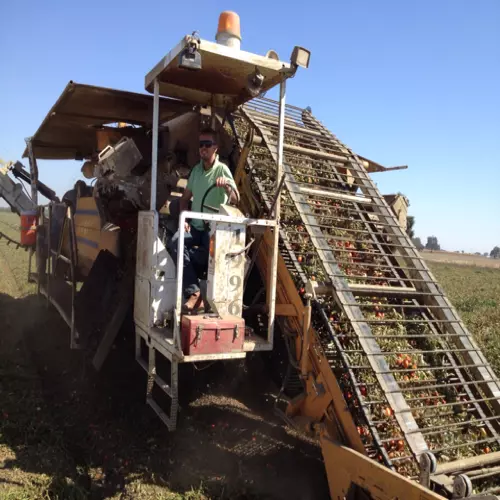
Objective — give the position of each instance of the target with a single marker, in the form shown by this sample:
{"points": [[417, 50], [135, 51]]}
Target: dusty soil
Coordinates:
{"points": [[88, 435], [67, 432]]}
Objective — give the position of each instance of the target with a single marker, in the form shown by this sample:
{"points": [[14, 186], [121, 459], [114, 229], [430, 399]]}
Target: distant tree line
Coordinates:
{"points": [[418, 243], [433, 243]]}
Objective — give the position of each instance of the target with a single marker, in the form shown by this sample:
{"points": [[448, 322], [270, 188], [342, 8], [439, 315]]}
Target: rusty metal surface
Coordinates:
{"points": [[69, 129]]}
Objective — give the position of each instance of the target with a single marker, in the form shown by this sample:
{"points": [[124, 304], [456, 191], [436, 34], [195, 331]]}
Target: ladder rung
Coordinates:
{"points": [[142, 363], [273, 118], [361, 286], [162, 385], [311, 152], [157, 379], [163, 416], [287, 127], [334, 195], [316, 153], [60, 256], [362, 289], [465, 464]]}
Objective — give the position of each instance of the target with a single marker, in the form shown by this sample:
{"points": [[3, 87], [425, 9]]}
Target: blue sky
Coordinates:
{"points": [[401, 82]]}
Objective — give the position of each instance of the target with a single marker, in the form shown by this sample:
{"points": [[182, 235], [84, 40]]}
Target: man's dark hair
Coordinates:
{"points": [[211, 132]]}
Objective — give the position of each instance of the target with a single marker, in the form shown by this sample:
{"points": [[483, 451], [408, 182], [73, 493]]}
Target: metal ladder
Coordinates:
{"points": [[170, 389]]}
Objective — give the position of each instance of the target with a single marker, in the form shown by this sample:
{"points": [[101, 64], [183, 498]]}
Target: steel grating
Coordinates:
{"points": [[410, 371]]}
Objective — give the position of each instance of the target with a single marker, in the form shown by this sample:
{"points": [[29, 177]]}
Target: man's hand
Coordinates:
{"points": [[184, 201], [187, 227], [224, 182]]}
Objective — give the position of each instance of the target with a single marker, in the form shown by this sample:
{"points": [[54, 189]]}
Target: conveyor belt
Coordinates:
{"points": [[411, 373]]}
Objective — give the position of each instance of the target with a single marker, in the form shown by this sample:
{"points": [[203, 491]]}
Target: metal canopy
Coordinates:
{"points": [[69, 129], [222, 79]]}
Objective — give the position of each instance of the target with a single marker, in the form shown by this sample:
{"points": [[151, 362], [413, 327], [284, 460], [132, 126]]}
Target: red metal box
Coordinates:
{"points": [[204, 334]]}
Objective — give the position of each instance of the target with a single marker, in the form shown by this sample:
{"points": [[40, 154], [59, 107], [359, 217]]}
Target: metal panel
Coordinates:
{"points": [[346, 468], [143, 312], [142, 300], [225, 272], [222, 78], [155, 266], [145, 229], [163, 282]]}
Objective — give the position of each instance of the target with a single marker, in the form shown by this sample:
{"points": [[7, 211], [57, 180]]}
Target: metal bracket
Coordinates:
{"points": [[199, 331], [319, 388], [462, 487], [428, 466]]}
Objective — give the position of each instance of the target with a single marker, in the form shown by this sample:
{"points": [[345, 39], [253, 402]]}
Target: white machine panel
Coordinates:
{"points": [[142, 303], [145, 238], [164, 283], [226, 271], [155, 282]]}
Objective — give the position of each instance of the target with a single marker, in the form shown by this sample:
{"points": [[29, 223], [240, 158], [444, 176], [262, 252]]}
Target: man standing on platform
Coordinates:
{"points": [[207, 173]]}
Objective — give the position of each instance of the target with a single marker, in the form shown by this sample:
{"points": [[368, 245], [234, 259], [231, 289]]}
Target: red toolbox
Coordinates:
{"points": [[205, 334]]}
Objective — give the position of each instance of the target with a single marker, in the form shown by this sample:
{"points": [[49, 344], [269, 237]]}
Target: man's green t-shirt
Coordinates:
{"points": [[200, 180]]}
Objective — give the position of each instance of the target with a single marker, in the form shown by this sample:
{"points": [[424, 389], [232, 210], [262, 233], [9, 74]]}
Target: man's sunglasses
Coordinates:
{"points": [[206, 144]]}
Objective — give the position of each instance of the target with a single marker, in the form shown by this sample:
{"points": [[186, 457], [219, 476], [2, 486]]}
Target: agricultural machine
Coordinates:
{"points": [[382, 371]]}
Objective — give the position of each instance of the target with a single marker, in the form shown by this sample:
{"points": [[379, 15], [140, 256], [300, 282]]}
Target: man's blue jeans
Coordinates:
{"points": [[196, 244]]}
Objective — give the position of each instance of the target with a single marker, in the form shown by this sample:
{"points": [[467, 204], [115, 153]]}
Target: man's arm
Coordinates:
{"points": [[234, 197], [183, 205], [188, 192], [183, 202]]}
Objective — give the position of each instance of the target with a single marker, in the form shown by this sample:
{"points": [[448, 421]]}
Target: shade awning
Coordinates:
{"points": [[69, 129]]}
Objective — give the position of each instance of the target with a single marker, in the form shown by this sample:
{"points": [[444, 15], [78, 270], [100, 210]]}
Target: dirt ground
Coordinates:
{"points": [[465, 259], [69, 433]]}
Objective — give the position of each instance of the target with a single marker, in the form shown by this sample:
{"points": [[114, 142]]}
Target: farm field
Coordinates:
{"points": [[68, 433], [465, 259]]}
